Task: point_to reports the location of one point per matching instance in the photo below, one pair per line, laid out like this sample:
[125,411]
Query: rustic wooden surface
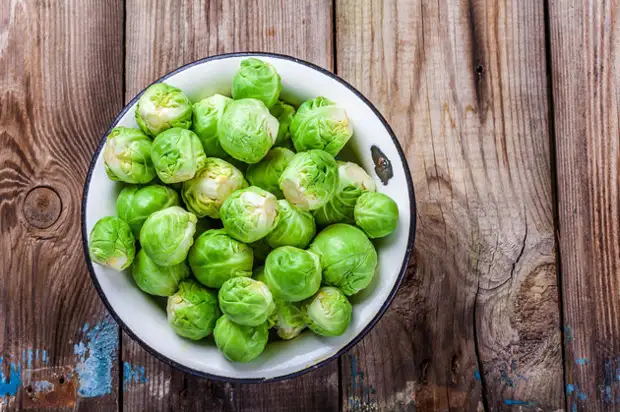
[584,37]
[508,114]
[61,84]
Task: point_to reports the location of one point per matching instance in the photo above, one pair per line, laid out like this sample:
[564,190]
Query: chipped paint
[95,364]
[362,395]
[568,335]
[9,385]
[133,374]
[42,386]
[477,375]
[581,361]
[515,402]
[570,388]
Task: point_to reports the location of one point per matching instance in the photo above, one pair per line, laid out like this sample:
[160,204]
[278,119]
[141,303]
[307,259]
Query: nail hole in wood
[42,207]
[480,69]
[61,380]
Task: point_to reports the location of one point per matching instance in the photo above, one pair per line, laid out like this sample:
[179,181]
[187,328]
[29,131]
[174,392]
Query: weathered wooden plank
[162,35]
[61,85]
[476,323]
[584,37]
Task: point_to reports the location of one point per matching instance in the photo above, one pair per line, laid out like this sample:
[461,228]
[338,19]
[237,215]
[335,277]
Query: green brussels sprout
[177,155]
[216,257]
[240,343]
[352,182]
[320,124]
[215,182]
[328,313]
[127,156]
[348,258]
[157,280]
[246,301]
[247,130]
[167,235]
[261,249]
[207,114]
[310,179]
[295,227]
[135,204]
[162,107]
[193,310]
[258,80]
[376,214]
[266,173]
[284,113]
[292,274]
[289,320]
[111,243]
[249,214]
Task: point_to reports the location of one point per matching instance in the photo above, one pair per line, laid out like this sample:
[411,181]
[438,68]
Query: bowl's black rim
[356,339]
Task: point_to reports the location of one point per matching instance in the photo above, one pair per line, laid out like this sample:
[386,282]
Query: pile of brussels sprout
[221,209]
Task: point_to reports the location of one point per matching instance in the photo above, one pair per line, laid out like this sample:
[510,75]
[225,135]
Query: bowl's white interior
[145,316]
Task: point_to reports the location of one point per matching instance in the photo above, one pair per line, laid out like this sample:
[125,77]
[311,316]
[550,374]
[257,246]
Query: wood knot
[42,207]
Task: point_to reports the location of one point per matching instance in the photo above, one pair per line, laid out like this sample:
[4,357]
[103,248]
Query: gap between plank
[554,184]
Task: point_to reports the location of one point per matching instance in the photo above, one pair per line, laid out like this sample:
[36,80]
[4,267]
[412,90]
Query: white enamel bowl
[144,318]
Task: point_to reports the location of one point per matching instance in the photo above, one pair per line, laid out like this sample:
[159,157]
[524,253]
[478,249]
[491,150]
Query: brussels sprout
[216,257]
[258,80]
[246,301]
[352,182]
[167,235]
[376,214]
[111,243]
[295,227]
[127,156]
[239,343]
[207,114]
[215,182]
[247,130]
[157,280]
[162,107]
[320,124]
[310,179]
[177,155]
[135,204]
[348,258]
[292,274]
[249,214]
[266,173]
[289,321]
[261,249]
[284,113]
[193,310]
[328,313]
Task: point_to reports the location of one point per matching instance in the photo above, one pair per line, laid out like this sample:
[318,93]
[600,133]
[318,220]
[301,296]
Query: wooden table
[508,112]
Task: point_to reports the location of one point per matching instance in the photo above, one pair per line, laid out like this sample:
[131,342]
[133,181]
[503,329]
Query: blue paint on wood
[85,327]
[42,386]
[582,396]
[44,356]
[477,375]
[573,407]
[506,378]
[515,402]
[94,367]
[581,361]
[9,385]
[133,374]
[570,388]
[568,335]
[29,358]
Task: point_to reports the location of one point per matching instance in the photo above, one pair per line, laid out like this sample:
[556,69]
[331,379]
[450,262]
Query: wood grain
[162,35]
[476,323]
[585,36]
[61,65]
